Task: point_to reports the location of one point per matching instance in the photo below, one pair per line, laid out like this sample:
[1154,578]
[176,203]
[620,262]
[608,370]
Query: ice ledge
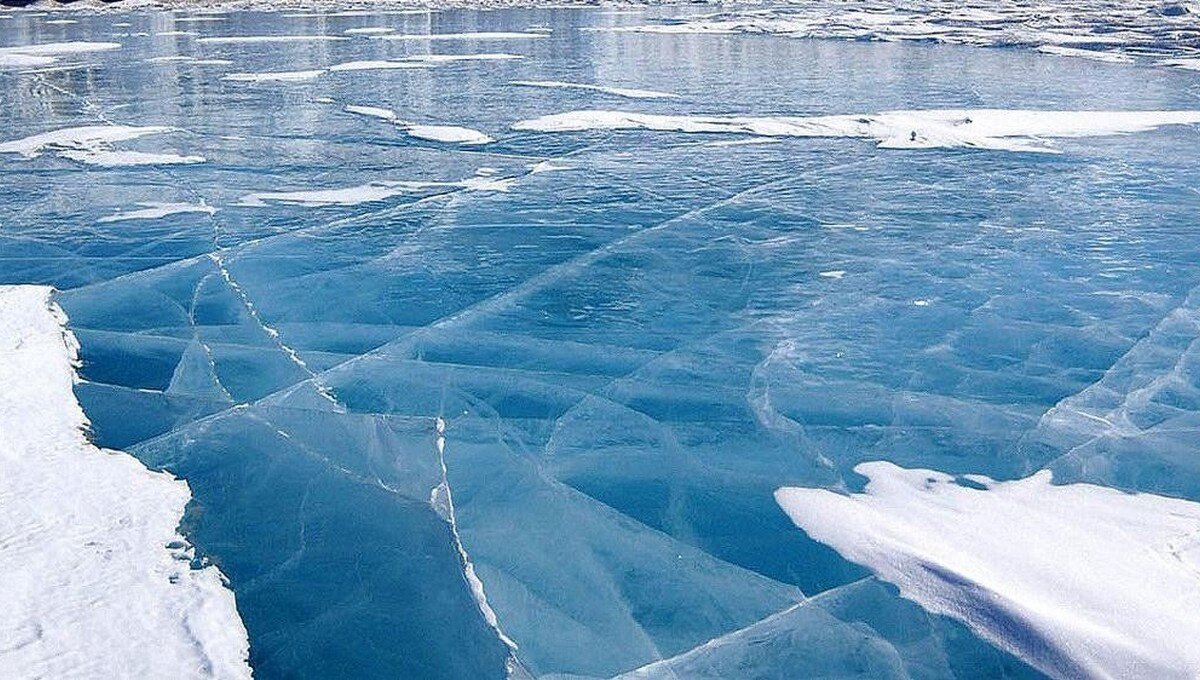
[1078,580]
[97,580]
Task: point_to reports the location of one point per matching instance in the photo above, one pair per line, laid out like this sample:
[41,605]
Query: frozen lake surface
[485,339]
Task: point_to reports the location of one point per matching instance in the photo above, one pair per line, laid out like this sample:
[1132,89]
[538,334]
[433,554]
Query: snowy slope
[1078,580]
[97,581]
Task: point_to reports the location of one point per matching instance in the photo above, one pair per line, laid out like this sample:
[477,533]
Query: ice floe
[617,91]
[154,210]
[997,129]
[97,580]
[1078,580]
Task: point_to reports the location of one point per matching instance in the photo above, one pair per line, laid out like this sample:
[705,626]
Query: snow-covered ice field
[657,342]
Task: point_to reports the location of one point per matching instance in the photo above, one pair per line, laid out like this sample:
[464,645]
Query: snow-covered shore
[98,583]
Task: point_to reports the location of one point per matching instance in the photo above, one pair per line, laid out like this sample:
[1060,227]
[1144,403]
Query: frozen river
[484,339]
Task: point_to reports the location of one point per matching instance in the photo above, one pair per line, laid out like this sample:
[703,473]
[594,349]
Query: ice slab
[1078,580]
[98,581]
[628,93]
[996,129]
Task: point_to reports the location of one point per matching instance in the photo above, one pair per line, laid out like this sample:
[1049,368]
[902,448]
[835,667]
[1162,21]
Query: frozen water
[521,408]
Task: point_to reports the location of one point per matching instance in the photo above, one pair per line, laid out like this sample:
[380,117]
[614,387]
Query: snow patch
[97,580]
[249,39]
[367,193]
[1078,580]
[376,65]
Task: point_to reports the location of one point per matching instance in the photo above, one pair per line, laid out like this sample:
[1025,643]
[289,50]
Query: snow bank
[1078,580]
[97,580]
[998,129]
[153,211]
[617,91]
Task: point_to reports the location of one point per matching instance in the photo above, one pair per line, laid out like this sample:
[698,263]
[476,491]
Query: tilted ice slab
[154,210]
[1078,580]
[997,129]
[97,580]
[629,93]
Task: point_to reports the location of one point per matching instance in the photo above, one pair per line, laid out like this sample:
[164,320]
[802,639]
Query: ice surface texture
[97,581]
[629,353]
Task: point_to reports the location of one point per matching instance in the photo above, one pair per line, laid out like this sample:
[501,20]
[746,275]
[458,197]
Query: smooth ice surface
[97,580]
[520,408]
[1081,580]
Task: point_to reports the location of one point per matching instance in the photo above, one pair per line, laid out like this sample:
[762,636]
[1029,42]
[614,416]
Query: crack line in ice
[442,500]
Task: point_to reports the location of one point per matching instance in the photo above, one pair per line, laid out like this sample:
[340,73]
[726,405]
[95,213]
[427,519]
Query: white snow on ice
[376,65]
[249,39]
[1096,55]
[481,35]
[367,193]
[273,76]
[618,91]
[61,48]
[997,129]
[92,144]
[1078,580]
[97,580]
[369,30]
[154,210]
[15,60]
[447,134]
